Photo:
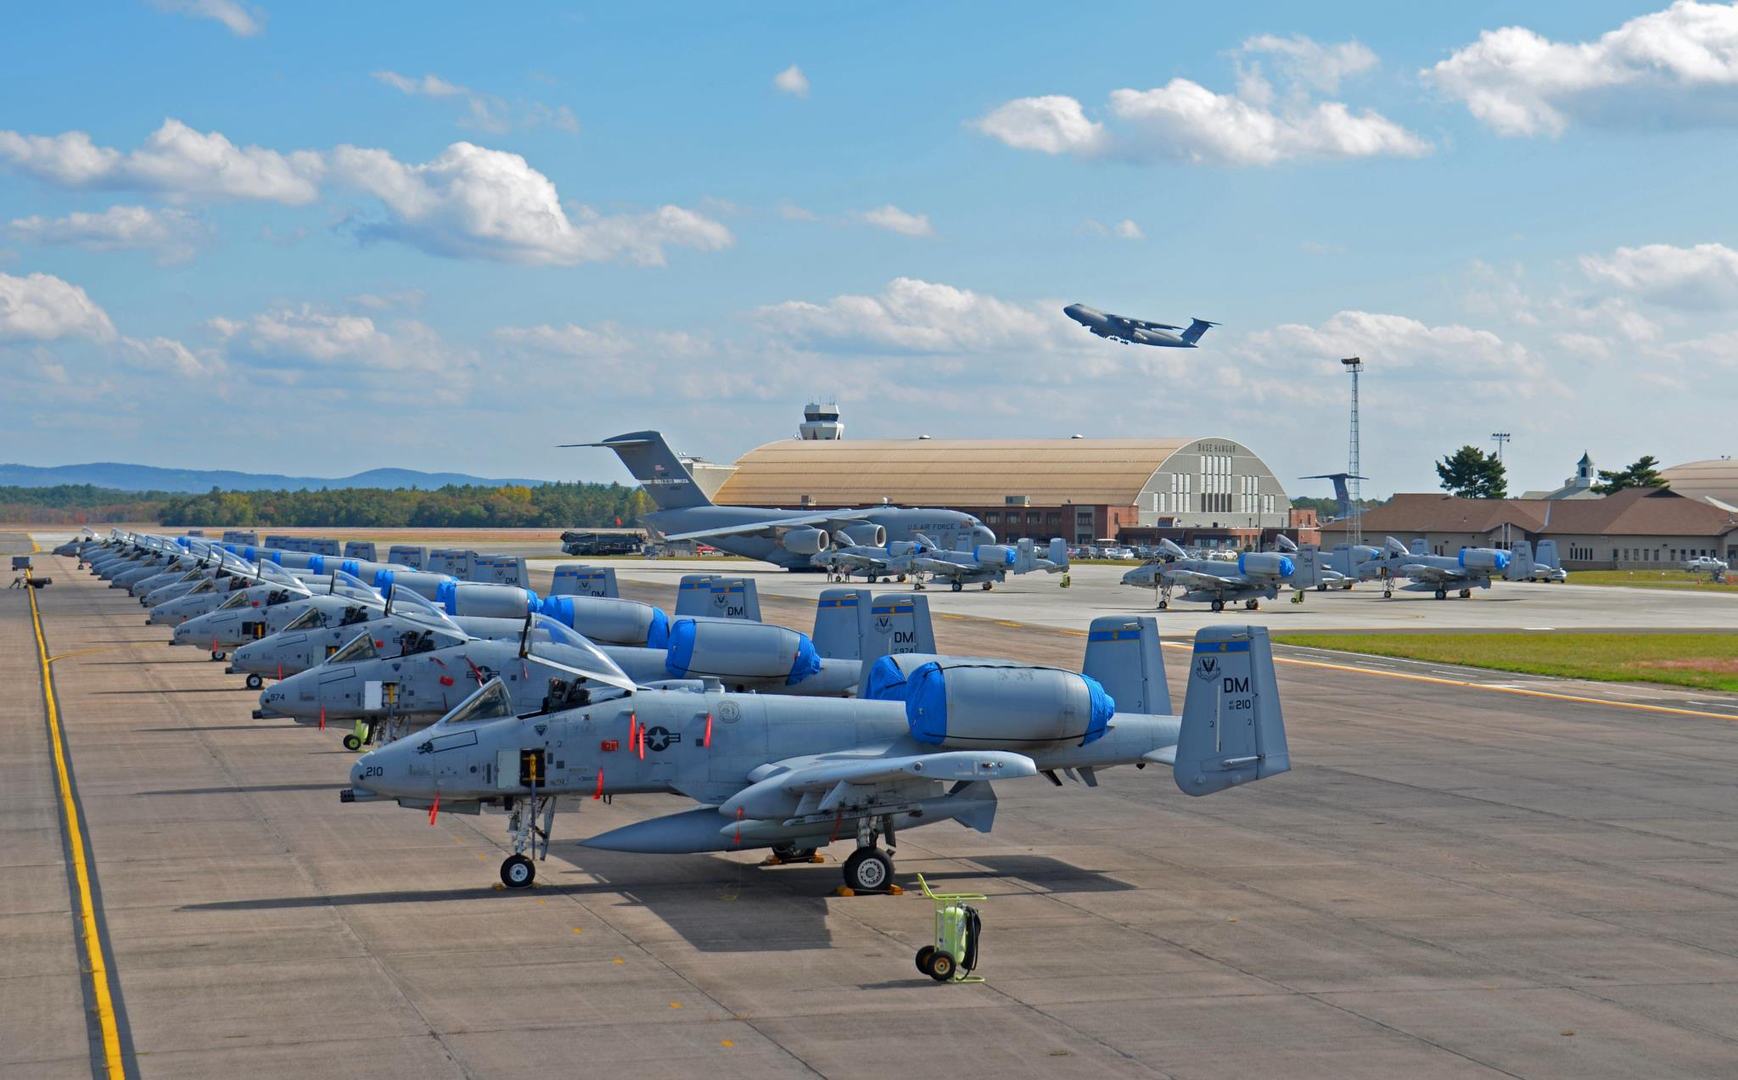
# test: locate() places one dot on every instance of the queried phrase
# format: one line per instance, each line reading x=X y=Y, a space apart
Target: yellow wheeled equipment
x=955 y=951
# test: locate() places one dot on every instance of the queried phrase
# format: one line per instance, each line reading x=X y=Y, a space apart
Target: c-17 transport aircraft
x=787 y=538
x=1131 y=331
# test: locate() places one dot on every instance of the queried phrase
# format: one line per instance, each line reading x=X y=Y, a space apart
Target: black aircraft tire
x=957 y=586
x=1163 y=604
x=923 y=956
x=215 y=655
x=518 y=872
x=940 y=966
x=1218 y=606
x=254 y=682
x=352 y=741
x=1442 y=594
x=868 y=870
x=791 y=853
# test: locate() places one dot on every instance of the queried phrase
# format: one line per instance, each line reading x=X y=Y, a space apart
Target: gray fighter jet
x=786 y=538
x=988 y=564
x=1255 y=576
x=796 y=775
x=1138 y=331
x=1471 y=568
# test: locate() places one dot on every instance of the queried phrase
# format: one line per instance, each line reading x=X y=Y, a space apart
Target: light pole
x=1502 y=437
x=1354 y=365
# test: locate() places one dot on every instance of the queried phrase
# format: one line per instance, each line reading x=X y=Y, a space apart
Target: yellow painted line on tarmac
x=93 y=941
x=1580 y=699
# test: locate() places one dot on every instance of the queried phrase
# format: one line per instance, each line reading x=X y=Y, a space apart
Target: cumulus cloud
x=792 y=81
x=606 y=342
x=42 y=307
x=919 y=317
x=475 y=202
x=484 y=112
x=174 y=160
x=308 y=336
x=1186 y=121
x=240 y=21
x=893 y=219
x=428 y=85
x=1677 y=65
x=1699 y=278
x=170 y=235
x=170 y=357
x=1125 y=229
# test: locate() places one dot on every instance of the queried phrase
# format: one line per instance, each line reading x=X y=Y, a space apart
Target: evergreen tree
x=1469 y=473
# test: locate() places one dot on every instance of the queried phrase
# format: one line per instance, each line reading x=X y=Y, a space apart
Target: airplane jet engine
x=994 y=555
x=1483 y=559
x=611 y=621
x=971 y=704
x=863 y=534
x=1265 y=563
x=804 y=541
x=734 y=649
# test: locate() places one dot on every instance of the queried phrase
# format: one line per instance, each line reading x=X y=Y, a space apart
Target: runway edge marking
x=93 y=939
x=1470 y=685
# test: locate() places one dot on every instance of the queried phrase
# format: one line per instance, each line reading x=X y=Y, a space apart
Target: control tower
x=821 y=422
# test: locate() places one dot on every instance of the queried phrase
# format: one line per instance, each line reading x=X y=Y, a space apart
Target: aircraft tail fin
x=1233 y=731
x=1122 y=653
x=657 y=468
x=1547 y=555
x=1059 y=552
x=897 y=623
x=1197 y=327
x=717 y=597
x=1520 y=567
x=1308 y=572
x=840 y=617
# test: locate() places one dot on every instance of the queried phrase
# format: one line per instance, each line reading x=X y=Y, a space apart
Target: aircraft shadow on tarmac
x=176 y=690
x=241 y=790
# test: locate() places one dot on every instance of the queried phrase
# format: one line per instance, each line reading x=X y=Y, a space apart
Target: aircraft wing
x=825 y=773
x=769 y=524
x=1143 y=324
x=1193 y=579
x=1421 y=572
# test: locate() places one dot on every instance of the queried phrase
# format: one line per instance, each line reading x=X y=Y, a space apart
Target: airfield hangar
x=1208 y=491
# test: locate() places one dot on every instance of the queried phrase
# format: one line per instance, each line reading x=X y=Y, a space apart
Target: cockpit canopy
x=490 y=702
x=360 y=647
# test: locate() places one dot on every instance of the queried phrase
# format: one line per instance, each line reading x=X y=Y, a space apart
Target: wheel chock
x=844 y=890
x=894 y=890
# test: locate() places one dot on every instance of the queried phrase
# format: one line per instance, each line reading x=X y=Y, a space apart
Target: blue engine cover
x=886 y=681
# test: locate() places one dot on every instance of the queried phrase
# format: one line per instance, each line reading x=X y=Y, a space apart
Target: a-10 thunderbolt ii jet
x=1255 y=576
x=1138 y=331
x=413 y=680
x=1471 y=568
x=787 y=538
x=924 y=560
x=795 y=775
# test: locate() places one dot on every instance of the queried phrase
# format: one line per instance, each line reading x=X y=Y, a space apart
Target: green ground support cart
x=957 y=926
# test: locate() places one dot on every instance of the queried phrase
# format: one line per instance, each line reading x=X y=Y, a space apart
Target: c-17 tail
x=1197 y=327
x=652 y=462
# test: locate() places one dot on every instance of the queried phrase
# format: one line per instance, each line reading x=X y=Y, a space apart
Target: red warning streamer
x=707 y=741
x=435 y=809
x=599 y=794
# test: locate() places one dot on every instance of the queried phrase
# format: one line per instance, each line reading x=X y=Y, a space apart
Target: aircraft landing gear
x=1218 y=606
x=254 y=681
x=1163 y=604
x=1466 y=594
x=988 y=585
x=517 y=870
x=216 y=655
x=957 y=586
x=1252 y=605
x=1322 y=588
x=869 y=869
x=1387 y=590
x=1442 y=594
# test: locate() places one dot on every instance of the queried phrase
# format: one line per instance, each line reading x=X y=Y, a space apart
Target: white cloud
x=607 y=342
x=475 y=202
x=1676 y=65
x=42 y=307
x=174 y=160
x=231 y=14
x=893 y=219
x=792 y=81
x=300 y=336
x=172 y=235
x=919 y=317
x=1319 y=66
x=1699 y=278
x=1125 y=229
x=1185 y=121
x=428 y=85
x=1051 y=124
x=170 y=357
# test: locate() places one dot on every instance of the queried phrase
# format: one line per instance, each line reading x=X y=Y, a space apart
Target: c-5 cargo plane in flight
x=1133 y=331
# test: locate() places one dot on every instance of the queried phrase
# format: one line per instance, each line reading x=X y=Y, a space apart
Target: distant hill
x=109 y=474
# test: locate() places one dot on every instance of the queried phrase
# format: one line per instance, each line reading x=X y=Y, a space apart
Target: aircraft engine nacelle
x=731 y=649
x=1265 y=563
x=978 y=704
x=863 y=534
x=1483 y=559
x=804 y=541
x=487 y=600
x=611 y=621
x=994 y=555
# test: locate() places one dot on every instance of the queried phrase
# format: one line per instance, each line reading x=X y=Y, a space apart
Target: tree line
x=1470 y=473
x=560 y=506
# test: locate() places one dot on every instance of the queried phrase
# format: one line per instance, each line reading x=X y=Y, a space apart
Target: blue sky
x=319 y=239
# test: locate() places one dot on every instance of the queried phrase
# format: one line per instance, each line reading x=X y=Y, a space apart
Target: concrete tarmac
x=1454 y=881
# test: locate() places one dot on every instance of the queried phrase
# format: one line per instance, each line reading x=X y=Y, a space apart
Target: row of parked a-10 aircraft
x=473 y=695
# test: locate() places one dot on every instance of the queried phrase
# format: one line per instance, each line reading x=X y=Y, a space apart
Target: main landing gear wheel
x=790 y=853
x=1466 y=594
x=1321 y=588
x=1218 y=605
x=923 y=956
x=254 y=682
x=215 y=655
x=1252 y=605
x=518 y=872
x=988 y=586
x=1163 y=604
x=957 y=586
x=1442 y=594
x=868 y=870
x=939 y=966
x=352 y=742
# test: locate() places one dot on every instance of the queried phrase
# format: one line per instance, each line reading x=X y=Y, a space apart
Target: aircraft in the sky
x=787 y=538
x=1138 y=331
x=795 y=775
x=1255 y=576
x=1471 y=568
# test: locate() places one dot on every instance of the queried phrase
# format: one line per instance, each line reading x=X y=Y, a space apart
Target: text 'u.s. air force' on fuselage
x=786 y=538
x=926 y=745
x=1131 y=331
